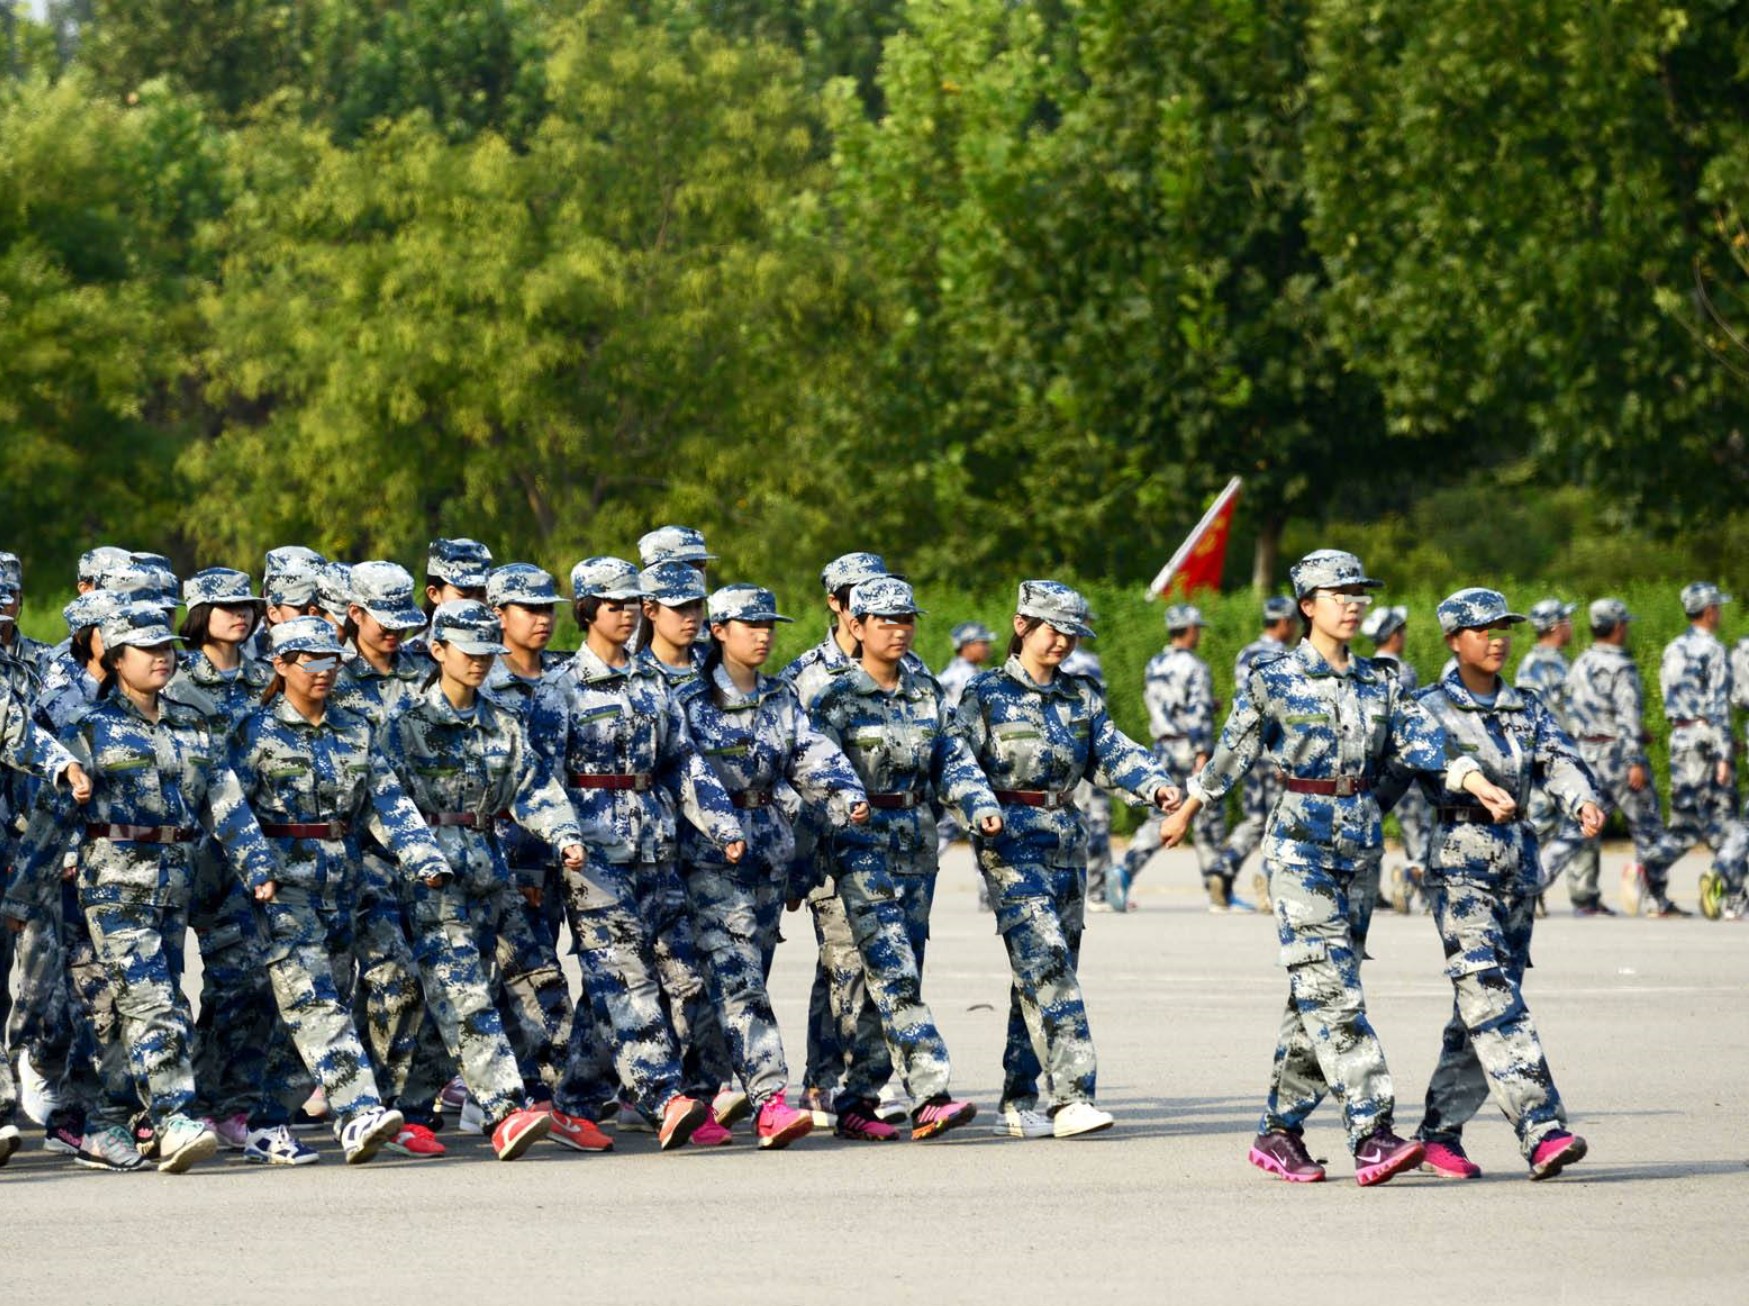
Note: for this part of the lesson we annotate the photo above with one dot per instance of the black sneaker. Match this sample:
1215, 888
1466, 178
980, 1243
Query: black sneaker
62, 1137
1382, 1156
1284, 1155
1664, 908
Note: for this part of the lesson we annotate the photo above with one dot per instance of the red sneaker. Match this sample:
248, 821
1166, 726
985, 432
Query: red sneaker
938, 1115
578, 1134
780, 1124
416, 1140
711, 1134
519, 1131
680, 1118
1555, 1153
1447, 1160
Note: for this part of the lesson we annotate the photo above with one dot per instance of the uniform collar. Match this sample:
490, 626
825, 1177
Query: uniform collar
731, 698
439, 708
1313, 664
1059, 683
1506, 698
592, 670
865, 683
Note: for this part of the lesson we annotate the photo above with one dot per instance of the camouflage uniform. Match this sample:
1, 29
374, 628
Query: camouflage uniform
1543, 671
461, 769
1036, 745
619, 740
1262, 784
905, 754
1091, 801
1328, 727
1695, 677
1483, 879
1606, 705
767, 754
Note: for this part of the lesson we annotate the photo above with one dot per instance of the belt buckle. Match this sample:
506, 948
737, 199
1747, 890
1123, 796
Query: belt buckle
1345, 786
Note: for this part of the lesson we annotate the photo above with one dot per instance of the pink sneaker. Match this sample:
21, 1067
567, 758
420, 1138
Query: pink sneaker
1556, 1152
860, 1124
710, 1134
233, 1131
780, 1124
938, 1115
1447, 1160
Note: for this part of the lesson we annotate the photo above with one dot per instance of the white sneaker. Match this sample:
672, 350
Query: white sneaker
367, 1132
277, 1145
1080, 1118
1021, 1122
38, 1098
182, 1142
109, 1149
9, 1140
729, 1106
894, 1105
472, 1120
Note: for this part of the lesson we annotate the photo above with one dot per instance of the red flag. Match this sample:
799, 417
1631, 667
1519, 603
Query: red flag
1200, 559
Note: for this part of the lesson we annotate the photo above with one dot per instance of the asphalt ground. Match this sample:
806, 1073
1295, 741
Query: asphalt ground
1644, 1023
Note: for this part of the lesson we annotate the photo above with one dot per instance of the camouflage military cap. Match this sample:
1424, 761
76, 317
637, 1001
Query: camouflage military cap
95, 564
11, 571
744, 603
89, 609
385, 590
673, 583
1056, 605
1329, 569
1182, 616
1608, 612
468, 625
304, 635
8, 597
291, 588
1279, 607
291, 557
883, 596
1382, 623
464, 563
1546, 614
972, 632
142, 624
133, 582
218, 585
673, 544
1700, 595
334, 589
1476, 609
606, 578
523, 584
851, 569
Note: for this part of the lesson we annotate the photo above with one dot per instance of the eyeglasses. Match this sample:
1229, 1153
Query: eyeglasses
1361, 601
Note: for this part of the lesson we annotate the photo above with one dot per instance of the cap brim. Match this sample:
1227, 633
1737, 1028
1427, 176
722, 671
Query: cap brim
396, 618
316, 650
150, 638
901, 612
478, 648
525, 601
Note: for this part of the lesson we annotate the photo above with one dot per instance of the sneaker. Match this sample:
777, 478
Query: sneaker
1447, 1160
1382, 1156
1712, 906
1260, 891
1079, 1118
1239, 904
710, 1134
860, 1124
1284, 1155
313, 1112
1555, 1153
64, 1138
416, 1140
109, 1149
277, 1145
145, 1135
10, 1141
938, 1115
182, 1142
1736, 907
519, 1131
233, 1131
1098, 904
38, 1098
729, 1106
817, 1102
1658, 908
454, 1096
369, 1131
780, 1124
1598, 908
472, 1120
1220, 903
578, 1134
894, 1105
1021, 1122
680, 1118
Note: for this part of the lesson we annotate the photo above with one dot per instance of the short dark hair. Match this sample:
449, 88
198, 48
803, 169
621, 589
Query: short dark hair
196, 624
1027, 626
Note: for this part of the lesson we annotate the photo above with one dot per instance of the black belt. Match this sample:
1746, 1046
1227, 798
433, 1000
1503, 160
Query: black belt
1050, 799
1466, 816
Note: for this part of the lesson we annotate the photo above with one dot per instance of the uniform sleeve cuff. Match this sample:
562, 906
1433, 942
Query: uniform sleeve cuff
1460, 770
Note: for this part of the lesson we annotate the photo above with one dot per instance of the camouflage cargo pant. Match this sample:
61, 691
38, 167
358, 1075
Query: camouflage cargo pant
133, 942
704, 1052
1040, 913
1208, 830
1654, 849
626, 1038
1095, 806
309, 965
1490, 1042
1701, 809
732, 918
100, 1081
888, 916
1415, 822
455, 943
838, 998
40, 1022
534, 998
388, 1002
237, 1014
1261, 787
1326, 1044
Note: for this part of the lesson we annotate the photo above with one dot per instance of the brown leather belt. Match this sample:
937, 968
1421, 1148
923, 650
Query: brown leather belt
307, 829
465, 820
1047, 798
636, 781
1465, 816
746, 798
1343, 786
143, 833
1597, 739
894, 802
1683, 722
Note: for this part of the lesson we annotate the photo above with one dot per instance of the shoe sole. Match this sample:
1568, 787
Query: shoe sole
800, 1127
855, 1136
266, 1158
104, 1167
199, 1150
536, 1129
936, 1128
392, 1123
54, 1147
891, 1113
680, 1132
739, 1108
1267, 1163
399, 1150
571, 1144
1083, 1131
1573, 1151
1006, 1130
1410, 1157
1427, 1167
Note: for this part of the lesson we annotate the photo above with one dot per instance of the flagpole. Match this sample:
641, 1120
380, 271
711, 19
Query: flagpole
1167, 572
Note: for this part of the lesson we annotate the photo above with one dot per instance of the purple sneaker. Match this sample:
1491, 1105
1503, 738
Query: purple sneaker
233, 1131
1555, 1153
1284, 1155
1382, 1156
1447, 1160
